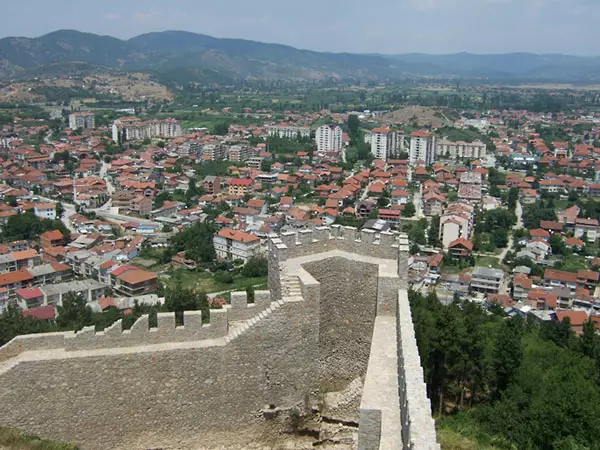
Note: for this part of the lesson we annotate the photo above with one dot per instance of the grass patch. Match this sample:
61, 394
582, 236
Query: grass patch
206, 282
486, 261
462, 432
573, 263
15, 440
449, 269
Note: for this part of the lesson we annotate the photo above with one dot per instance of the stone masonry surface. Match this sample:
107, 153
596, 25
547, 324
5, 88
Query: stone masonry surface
206, 386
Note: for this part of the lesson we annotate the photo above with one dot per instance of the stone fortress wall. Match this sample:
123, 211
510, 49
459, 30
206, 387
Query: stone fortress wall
333, 326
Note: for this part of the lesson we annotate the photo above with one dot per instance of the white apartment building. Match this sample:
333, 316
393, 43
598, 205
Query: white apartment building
45, 210
134, 129
329, 138
82, 120
385, 143
231, 244
422, 147
288, 131
453, 150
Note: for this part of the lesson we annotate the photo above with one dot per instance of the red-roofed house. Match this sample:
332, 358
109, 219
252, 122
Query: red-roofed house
576, 319
460, 248
232, 244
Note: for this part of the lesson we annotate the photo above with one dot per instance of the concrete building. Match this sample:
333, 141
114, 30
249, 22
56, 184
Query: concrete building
487, 280
446, 148
231, 244
82, 120
134, 129
384, 143
240, 186
288, 131
422, 147
329, 138
45, 210
239, 153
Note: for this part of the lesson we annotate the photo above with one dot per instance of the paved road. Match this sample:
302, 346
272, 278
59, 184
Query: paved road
107, 179
517, 226
417, 201
69, 212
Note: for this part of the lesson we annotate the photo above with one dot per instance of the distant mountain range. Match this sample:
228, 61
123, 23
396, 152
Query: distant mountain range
182, 57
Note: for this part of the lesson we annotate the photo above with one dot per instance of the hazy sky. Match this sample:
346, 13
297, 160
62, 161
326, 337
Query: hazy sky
384, 26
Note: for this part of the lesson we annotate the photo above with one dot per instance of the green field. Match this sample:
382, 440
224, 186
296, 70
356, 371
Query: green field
486, 261
206, 282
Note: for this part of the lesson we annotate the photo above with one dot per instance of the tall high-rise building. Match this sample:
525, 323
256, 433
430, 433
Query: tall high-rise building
422, 147
329, 138
82, 120
384, 143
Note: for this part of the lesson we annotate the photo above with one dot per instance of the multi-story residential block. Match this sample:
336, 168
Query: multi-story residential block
240, 186
487, 280
45, 210
422, 147
329, 138
212, 184
559, 278
135, 282
133, 129
453, 150
239, 153
385, 143
587, 228
214, 152
288, 131
232, 244
52, 238
140, 205
82, 120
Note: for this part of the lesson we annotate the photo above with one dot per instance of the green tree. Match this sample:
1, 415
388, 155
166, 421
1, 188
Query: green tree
353, 126
507, 354
74, 313
433, 233
60, 210
409, 210
558, 244
256, 267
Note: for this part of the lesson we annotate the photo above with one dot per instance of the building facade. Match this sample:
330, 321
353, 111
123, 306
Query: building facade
232, 244
422, 147
453, 150
289, 131
134, 129
82, 120
329, 138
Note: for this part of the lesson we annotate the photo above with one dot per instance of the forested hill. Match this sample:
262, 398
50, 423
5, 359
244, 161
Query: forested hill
506, 382
189, 56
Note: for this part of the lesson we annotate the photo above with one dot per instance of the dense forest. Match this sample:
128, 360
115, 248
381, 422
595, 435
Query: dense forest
509, 382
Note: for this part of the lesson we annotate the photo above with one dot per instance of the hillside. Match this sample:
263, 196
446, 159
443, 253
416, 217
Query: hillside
181, 57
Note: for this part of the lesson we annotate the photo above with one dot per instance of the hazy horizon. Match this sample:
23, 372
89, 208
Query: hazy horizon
435, 27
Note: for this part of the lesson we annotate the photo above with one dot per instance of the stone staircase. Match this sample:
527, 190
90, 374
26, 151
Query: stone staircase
291, 292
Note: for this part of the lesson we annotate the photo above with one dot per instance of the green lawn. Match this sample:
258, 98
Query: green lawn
573, 263
206, 282
486, 261
461, 432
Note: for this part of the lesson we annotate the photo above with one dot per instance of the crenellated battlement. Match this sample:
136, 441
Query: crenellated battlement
140, 334
384, 245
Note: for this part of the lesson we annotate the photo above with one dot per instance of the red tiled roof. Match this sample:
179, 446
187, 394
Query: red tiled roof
41, 313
